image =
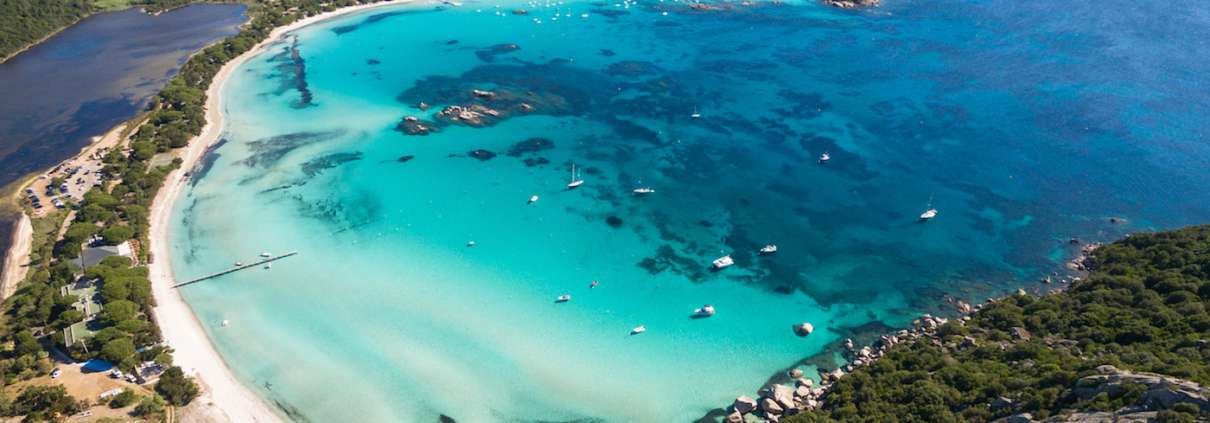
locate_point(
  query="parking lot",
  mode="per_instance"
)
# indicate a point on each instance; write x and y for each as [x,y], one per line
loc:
[65,185]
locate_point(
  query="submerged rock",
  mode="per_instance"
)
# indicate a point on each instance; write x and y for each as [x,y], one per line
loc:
[489,54]
[535,161]
[530,145]
[405,159]
[614,221]
[481,154]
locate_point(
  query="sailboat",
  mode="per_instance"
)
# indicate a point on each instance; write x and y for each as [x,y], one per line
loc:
[695,114]
[575,180]
[930,213]
[642,189]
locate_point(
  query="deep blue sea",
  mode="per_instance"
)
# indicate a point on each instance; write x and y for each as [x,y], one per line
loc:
[89,78]
[1024,124]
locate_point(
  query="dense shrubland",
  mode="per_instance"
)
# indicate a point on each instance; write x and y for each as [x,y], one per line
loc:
[1143,308]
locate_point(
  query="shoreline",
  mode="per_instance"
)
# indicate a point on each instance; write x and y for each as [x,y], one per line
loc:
[194,352]
[16,259]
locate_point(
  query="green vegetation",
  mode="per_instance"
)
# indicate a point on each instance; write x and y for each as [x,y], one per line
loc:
[124,399]
[1144,308]
[175,387]
[24,22]
[42,403]
[116,213]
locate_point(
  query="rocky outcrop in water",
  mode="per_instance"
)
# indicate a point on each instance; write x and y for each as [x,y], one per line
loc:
[851,4]
[412,125]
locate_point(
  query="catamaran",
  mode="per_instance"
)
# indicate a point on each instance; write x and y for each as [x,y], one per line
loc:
[575,180]
[723,261]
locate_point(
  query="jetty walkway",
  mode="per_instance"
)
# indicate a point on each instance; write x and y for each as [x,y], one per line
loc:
[235,269]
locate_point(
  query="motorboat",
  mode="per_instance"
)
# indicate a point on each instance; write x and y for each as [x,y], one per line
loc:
[643,190]
[723,262]
[533,199]
[823,158]
[703,311]
[638,329]
[768,249]
[563,298]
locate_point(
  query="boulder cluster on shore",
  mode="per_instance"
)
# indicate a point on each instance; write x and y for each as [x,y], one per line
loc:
[778,401]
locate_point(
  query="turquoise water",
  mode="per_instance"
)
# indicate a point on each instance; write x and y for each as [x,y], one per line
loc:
[1024,126]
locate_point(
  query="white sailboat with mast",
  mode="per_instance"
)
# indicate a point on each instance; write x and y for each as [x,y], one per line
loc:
[930,212]
[575,178]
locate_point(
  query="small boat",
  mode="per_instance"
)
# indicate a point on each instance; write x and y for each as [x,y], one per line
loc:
[593,284]
[575,180]
[239,263]
[768,249]
[638,329]
[643,190]
[268,266]
[928,214]
[703,311]
[563,298]
[722,262]
[225,323]
[823,158]
[470,243]
[533,199]
[266,254]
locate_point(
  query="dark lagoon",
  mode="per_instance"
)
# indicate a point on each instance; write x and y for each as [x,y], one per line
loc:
[91,77]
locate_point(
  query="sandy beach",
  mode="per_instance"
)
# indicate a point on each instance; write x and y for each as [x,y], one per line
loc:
[17,258]
[224,397]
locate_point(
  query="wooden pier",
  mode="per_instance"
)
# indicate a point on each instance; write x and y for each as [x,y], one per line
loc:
[235,269]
